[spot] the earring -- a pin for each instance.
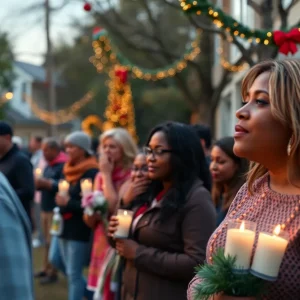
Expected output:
(289, 147)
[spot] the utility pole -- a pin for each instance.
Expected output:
(50, 69)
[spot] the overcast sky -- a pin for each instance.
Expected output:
(26, 30)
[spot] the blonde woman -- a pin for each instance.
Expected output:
(117, 152)
(268, 134)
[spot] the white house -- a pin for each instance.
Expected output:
(30, 83)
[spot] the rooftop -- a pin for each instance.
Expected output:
(37, 72)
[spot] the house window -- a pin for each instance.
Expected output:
(24, 91)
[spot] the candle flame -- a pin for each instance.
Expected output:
(125, 213)
(277, 230)
(242, 227)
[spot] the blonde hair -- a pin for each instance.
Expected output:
(126, 142)
(284, 91)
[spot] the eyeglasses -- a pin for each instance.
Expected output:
(142, 169)
(156, 152)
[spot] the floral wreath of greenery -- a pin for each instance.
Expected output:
(285, 40)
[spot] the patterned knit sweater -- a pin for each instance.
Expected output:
(273, 209)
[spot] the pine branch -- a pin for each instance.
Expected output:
(219, 277)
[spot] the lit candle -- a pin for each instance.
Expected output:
(63, 187)
(38, 173)
(239, 243)
(125, 219)
(86, 186)
(269, 253)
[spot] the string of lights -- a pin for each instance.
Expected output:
(106, 54)
(61, 116)
(225, 63)
(89, 122)
(222, 20)
(120, 110)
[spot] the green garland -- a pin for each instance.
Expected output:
(101, 36)
(226, 22)
(219, 277)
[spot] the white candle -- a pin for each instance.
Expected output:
(38, 173)
(125, 219)
(239, 243)
(86, 186)
(63, 187)
(269, 253)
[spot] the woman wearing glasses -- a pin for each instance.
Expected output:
(172, 225)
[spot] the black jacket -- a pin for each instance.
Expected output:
(48, 196)
(18, 170)
(74, 228)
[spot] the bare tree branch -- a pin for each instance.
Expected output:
(154, 24)
(255, 6)
(244, 51)
(294, 2)
(180, 81)
(61, 6)
(172, 4)
(205, 27)
(283, 15)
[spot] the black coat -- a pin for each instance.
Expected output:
(74, 227)
(53, 173)
(19, 171)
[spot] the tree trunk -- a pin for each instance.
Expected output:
(50, 70)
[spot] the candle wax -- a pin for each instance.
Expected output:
(63, 187)
(38, 173)
(86, 186)
(124, 225)
(268, 256)
(239, 243)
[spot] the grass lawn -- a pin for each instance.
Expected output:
(55, 291)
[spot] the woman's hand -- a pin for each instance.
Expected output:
(112, 226)
(61, 200)
(92, 221)
(135, 189)
(106, 166)
(42, 183)
(127, 248)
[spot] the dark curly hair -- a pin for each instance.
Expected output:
(188, 163)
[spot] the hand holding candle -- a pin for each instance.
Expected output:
(38, 173)
(269, 254)
(86, 185)
(63, 187)
(239, 243)
(125, 219)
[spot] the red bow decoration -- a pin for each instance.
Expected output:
(287, 41)
(122, 74)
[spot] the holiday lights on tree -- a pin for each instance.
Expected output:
(120, 111)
